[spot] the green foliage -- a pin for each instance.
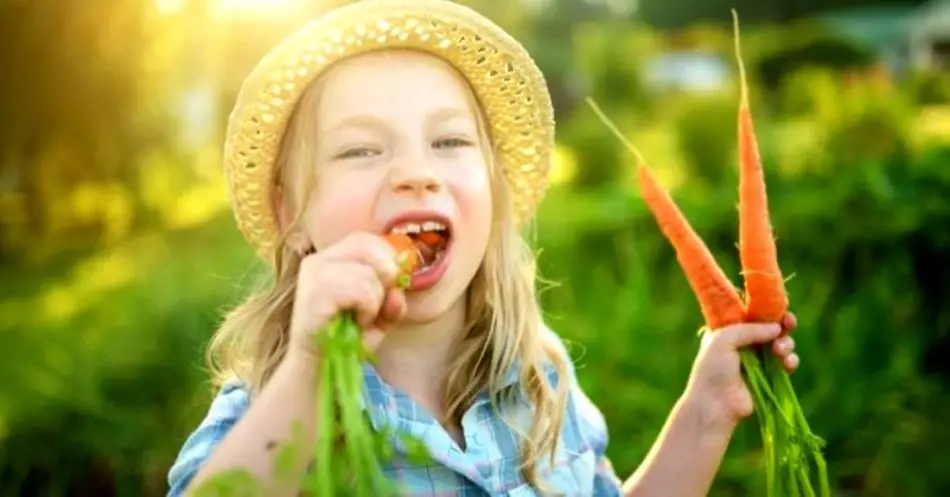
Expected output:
(706, 133)
(930, 88)
(809, 91)
(824, 50)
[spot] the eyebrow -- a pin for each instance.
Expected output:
(357, 121)
(448, 113)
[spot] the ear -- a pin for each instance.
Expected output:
(296, 240)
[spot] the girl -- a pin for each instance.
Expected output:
(420, 116)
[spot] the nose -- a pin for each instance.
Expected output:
(414, 180)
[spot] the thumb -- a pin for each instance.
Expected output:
(393, 309)
(746, 334)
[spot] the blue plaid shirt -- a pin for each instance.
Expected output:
(488, 466)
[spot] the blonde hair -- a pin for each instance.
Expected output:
(503, 322)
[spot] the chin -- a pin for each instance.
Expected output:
(426, 307)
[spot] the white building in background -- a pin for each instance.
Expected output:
(928, 37)
(903, 37)
(687, 71)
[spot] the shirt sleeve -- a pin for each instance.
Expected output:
(594, 429)
(226, 409)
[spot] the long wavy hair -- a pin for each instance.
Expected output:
(503, 321)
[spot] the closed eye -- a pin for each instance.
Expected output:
(356, 153)
(451, 143)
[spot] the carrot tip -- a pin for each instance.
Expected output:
(720, 301)
(616, 131)
(743, 87)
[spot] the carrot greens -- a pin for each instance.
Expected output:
(348, 454)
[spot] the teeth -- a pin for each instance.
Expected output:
(416, 228)
(432, 226)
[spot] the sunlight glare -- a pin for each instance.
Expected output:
(169, 7)
(255, 6)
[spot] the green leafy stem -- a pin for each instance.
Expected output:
(343, 428)
(792, 451)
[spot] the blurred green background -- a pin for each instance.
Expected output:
(118, 253)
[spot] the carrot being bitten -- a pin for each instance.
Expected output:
(790, 446)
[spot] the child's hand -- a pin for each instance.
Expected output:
(716, 385)
(357, 273)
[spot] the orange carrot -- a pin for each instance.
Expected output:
(432, 239)
(406, 254)
(766, 298)
(782, 421)
(718, 297)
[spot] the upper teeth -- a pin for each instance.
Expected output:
(406, 228)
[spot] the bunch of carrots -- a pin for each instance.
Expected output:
(791, 448)
(349, 453)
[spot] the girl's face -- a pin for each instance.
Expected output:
(398, 147)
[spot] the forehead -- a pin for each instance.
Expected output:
(392, 83)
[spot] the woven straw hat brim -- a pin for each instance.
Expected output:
(505, 80)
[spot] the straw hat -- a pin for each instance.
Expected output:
(505, 80)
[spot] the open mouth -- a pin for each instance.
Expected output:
(431, 239)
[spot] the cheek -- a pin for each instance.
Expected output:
(473, 191)
(340, 206)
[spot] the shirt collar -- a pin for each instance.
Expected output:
(375, 385)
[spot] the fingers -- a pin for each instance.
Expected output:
(370, 250)
(393, 309)
(789, 322)
(362, 291)
(357, 274)
(744, 335)
(791, 362)
(783, 346)
(364, 278)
